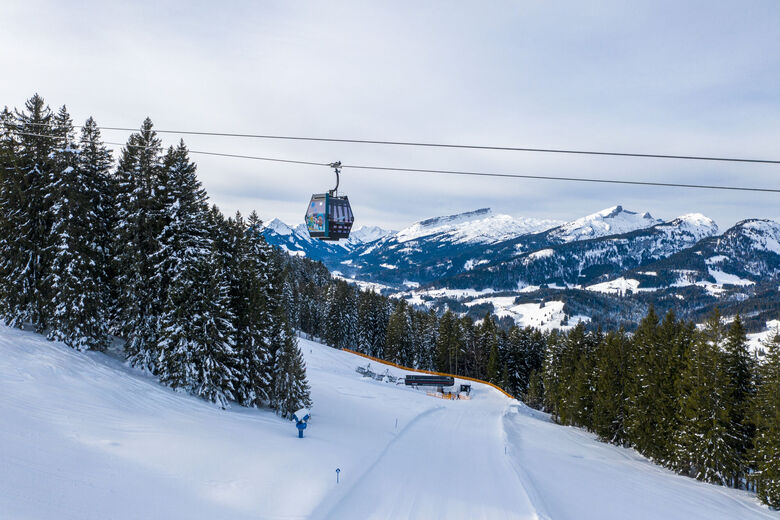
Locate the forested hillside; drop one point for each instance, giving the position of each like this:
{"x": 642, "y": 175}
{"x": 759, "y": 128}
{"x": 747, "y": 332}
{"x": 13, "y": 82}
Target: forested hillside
{"x": 89, "y": 250}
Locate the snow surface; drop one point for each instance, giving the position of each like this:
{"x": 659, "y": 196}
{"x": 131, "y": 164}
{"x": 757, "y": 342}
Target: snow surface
{"x": 480, "y": 226}
{"x": 470, "y": 264}
{"x": 366, "y": 286}
{"x": 756, "y": 341}
{"x": 85, "y": 437}
{"x": 610, "y": 221}
{"x": 722, "y": 278}
{"x": 620, "y": 286}
{"x": 546, "y": 317}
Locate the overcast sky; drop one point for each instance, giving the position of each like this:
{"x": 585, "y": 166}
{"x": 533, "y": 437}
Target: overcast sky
{"x": 660, "y": 76}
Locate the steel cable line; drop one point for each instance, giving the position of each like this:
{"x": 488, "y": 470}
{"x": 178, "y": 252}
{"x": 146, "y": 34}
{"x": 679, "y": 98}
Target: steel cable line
{"x": 200, "y": 152}
{"x": 453, "y": 146}
{"x": 457, "y": 172}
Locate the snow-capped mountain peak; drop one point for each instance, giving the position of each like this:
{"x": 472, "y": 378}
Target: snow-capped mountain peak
{"x": 765, "y": 234}
{"x": 279, "y": 227}
{"x": 610, "y": 221}
{"x": 365, "y": 234}
{"x": 480, "y": 226}
{"x": 698, "y": 225}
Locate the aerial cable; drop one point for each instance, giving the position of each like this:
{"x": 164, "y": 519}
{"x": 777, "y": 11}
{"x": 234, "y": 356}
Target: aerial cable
{"x": 567, "y": 179}
{"x": 200, "y": 152}
{"x": 459, "y": 172}
{"x": 453, "y": 146}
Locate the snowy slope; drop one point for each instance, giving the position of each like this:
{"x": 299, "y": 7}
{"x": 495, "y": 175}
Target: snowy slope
{"x": 85, "y": 437}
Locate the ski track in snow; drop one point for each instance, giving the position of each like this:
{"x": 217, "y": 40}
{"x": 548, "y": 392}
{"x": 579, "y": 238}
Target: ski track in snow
{"x": 572, "y": 475}
{"x": 83, "y": 436}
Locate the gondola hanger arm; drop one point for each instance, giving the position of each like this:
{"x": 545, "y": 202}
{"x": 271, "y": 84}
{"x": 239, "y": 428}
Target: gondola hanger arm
{"x": 336, "y": 168}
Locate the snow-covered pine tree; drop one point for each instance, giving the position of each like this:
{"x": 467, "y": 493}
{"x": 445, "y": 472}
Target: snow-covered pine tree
{"x": 765, "y": 454}
{"x": 640, "y": 413}
{"x": 534, "y": 396}
{"x": 739, "y": 369}
{"x": 288, "y": 389}
{"x": 425, "y": 327}
{"x": 291, "y": 388}
{"x": 448, "y": 343}
{"x": 373, "y": 314}
{"x": 398, "y": 341}
{"x": 486, "y": 343}
{"x": 25, "y": 199}
{"x": 675, "y": 339}
{"x": 292, "y": 303}
{"x": 196, "y": 347}
{"x": 78, "y": 271}
{"x": 468, "y": 344}
{"x": 609, "y": 406}
{"x": 552, "y": 378}
{"x": 140, "y": 221}
{"x": 258, "y": 284}
{"x": 341, "y": 325}
{"x": 702, "y": 447}
{"x": 571, "y": 347}
{"x": 9, "y": 180}
{"x": 212, "y": 353}
{"x": 584, "y": 381}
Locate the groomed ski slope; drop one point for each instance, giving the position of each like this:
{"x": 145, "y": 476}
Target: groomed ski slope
{"x": 82, "y": 436}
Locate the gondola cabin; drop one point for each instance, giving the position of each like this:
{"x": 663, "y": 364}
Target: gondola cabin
{"x": 329, "y": 217}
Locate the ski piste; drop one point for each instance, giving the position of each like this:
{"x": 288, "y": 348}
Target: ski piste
{"x": 95, "y": 439}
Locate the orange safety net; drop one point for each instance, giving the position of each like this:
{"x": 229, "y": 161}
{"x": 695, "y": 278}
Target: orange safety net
{"x": 372, "y": 358}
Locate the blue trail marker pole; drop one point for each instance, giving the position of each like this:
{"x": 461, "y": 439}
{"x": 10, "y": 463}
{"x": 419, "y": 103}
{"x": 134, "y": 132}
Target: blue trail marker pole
{"x": 337, "y": 475}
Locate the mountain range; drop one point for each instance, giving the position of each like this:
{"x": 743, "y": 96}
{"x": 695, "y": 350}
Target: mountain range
{"x": 607, "y": 266}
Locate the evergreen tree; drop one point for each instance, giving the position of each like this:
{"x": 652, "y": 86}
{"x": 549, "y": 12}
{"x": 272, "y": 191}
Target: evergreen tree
{"x": 141, "y": 219}
{"x": 398, "y": 341}
{"x": 641, "y": 424}
{"x": 424, "y": 330}
{"x": 703, "y": 449}
{"x": 448, "y": 344}
{"x": 465, "y": 355}
{"x": 78, "y": 275}
{"x": 341, "y": 322}
{"x": 534, "y": 396}
{"x": 673, "y": 347}
{"x": 196, "y": 349}
{"x": 739, "y": 393}
{"x": 25, "y": 198}
{"x": 485, "y": 347}
{"x": 765, "y": 453}
{"x": 261, "y": 282}
{"x": 211, "y": 354}
{"x": 291, "y": 391}
{"x": 609, "y": 400}
{"x": 373, "y": 315}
